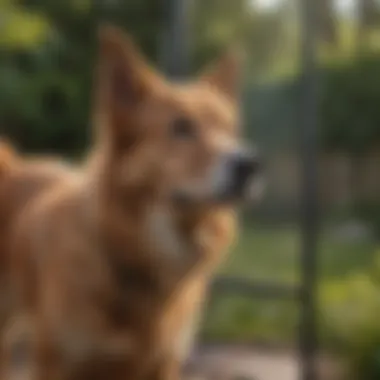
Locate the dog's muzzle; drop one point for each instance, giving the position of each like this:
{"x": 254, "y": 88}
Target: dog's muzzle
{"x": 236, "y": 176}
{"x": 245, "y": 175}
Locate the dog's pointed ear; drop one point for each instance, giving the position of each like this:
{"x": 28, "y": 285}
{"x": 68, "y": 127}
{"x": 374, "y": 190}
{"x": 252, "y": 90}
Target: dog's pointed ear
{"x": 122, "y": 70}
{"x": 224, "y": 74}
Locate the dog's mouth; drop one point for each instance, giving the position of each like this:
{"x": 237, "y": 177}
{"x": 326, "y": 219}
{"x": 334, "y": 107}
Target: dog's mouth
{"x": 232, "y": 193}
{"x": 249, "y": 191}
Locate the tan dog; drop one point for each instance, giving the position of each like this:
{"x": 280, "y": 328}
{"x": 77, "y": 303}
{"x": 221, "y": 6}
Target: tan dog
{"x": 110, "y": 269}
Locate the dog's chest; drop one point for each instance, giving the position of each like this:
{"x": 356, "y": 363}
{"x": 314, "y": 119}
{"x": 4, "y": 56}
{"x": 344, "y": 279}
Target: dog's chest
{"x": 163, "y": 235}
{"x": 183, "y": 317}
{"x": 184, "y": 341}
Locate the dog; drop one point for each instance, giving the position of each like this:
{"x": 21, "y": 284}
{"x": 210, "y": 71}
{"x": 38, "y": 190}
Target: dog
{"x": 110, "y": 268}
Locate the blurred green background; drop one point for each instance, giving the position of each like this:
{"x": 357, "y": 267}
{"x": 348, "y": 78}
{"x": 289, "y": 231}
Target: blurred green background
{"x": 47, "y": 55}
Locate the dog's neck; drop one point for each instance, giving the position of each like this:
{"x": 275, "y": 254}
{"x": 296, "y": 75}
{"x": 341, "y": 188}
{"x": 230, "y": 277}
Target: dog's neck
{"x": 138, "y": 226}
{"x": 150, "y": 250}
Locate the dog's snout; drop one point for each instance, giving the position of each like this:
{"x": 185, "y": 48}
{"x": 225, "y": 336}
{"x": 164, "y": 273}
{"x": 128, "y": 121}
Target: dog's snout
{"x": 244, "y": 165}
{"x": 244, "y": 168}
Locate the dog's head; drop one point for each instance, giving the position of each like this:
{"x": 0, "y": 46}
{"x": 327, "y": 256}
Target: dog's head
{"x": 183, "y": 139}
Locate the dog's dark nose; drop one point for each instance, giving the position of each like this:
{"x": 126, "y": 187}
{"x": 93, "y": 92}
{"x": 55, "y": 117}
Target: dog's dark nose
{"x": 245, "y": 165}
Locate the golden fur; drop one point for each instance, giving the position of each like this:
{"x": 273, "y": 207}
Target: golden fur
{"x": 108, "y": 271}
{"x": 22, "y": 179}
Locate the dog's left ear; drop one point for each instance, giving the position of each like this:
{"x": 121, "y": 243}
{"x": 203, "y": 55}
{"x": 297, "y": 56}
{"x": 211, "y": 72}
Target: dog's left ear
{"x": 224, "y": 75}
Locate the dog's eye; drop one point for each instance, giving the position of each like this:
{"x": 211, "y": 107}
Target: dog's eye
{"x": 183, "y": 128}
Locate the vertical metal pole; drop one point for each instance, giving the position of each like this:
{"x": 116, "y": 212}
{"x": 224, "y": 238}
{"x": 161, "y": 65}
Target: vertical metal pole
{"x": 309, "y": 207}
{"x": 176, "y": 38}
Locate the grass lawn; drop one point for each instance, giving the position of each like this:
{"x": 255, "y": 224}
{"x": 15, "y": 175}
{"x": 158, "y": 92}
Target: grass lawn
{"x": 273, "y": 254}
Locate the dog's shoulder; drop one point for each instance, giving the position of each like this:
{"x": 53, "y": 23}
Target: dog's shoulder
{"x": 8, "y": 157}
{"x": 47, "y": 245}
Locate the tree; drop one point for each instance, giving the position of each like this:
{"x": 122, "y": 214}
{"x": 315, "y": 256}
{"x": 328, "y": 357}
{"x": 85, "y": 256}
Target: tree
{"x": 368, "y": 17}
{"x": 327, "y": 28}
{"x": 219, "y": 23}
{"x": 20, "y": 28}
{"x": 216, "y": 24}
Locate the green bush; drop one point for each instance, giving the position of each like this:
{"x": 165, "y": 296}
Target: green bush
{"x": 348, "y": 304}
{"x": 369, "y": 212}
{"x": 45, "y": 111}
{"x": 350, "y": 95}
{"x": 350, "y": 310}
{"x": 349, "y": 118}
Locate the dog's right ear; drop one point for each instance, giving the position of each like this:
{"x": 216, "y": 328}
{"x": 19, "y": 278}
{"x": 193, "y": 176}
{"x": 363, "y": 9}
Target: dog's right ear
{"x": 123, "y": 73}
{"x": 123, "y": 80}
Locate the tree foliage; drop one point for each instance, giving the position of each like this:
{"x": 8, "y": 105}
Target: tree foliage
{"x": 47, "y": 59}
{"x": 45, "y": 89}
{"x": 350, "y": 105}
